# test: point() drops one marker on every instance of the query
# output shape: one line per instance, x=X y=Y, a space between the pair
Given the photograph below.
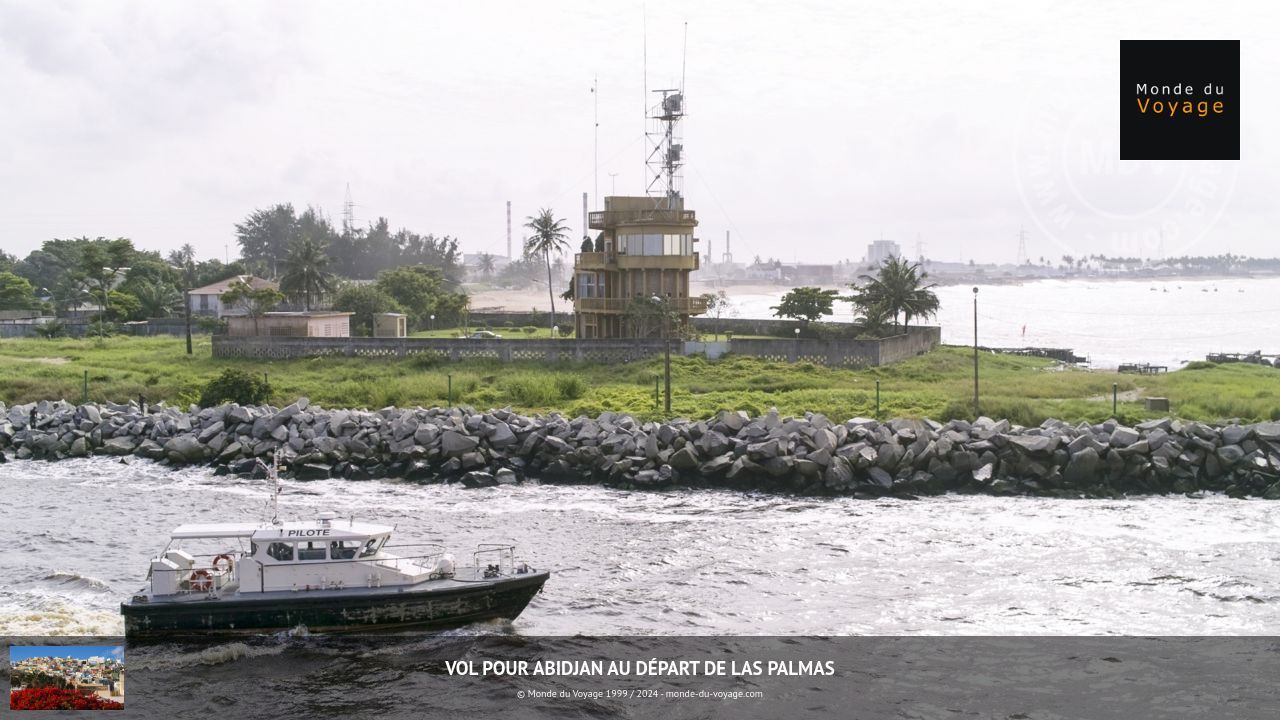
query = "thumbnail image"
x=66 y=677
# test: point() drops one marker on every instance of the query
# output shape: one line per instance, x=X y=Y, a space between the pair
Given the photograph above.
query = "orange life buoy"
x=201 y=581
x=220 y=558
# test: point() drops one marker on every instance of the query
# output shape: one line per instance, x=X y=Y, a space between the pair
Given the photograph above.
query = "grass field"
x=937 y=385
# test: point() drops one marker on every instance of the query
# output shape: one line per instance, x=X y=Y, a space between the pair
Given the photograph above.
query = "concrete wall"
x=836 y=353
x=280 y=348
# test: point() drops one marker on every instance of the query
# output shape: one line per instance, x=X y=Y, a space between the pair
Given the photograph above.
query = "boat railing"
x=498 y=552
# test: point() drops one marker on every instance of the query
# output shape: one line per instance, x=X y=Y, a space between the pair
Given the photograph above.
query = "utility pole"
x=187 y=301
x=664 y=304
x=509 y=257
x=976 y=412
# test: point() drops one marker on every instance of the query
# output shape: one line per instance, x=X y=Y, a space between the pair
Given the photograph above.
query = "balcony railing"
x=680 y=306
x=601 y=219
x=619 y=261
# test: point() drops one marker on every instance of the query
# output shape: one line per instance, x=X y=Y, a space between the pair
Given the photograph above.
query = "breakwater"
x=811 y=455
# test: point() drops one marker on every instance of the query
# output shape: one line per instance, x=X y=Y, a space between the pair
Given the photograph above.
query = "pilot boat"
x=327 y=574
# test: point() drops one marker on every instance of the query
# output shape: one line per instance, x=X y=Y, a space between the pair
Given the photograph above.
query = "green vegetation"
x=236 y=386
x=806 y=304
x=937 y=385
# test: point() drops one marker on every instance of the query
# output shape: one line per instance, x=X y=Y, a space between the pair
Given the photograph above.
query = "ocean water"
x=692 y=562
x=1162 y=322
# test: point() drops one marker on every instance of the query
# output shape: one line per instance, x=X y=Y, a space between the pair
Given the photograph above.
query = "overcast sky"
x=813 y=127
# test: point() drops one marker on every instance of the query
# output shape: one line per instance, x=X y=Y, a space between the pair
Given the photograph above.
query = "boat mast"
x=274 y=474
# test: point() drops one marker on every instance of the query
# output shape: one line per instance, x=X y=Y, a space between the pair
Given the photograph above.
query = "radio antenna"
x=684 y=55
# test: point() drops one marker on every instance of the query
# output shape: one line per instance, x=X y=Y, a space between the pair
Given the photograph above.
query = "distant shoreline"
x=498 y=300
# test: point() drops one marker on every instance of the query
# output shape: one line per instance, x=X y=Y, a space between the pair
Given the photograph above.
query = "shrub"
x=50 y=330
x=101 y=328
x=528 y=330
x=570 y=387
x=1200 y=365
x=211 y=325
x=235 y=386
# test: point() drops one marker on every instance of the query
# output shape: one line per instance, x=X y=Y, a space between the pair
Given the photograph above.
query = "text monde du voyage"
x=1180 y=100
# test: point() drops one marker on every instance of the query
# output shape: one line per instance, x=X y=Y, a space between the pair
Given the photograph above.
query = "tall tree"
x=7 y=261
x=421 y=291
x=486 y=264
x=264 y=236
x=16 y=293
x=549 y=236
x=366 y=301
x=306 y=271
x=183 y=256
x=100 y=269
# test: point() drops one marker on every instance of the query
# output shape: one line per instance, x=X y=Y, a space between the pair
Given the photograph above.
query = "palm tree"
x=486 y=264
x=549 y=235
x=306 y=273
x=159 y=300
x=896 y=290
x=182 y=257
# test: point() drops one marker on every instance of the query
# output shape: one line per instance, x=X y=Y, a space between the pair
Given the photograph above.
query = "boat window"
x=371 y=547
x=280 y=551
x=343 y=549
x=311 y=552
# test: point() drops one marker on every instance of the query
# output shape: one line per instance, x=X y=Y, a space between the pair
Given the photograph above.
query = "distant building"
x=647 y=252
x=292 y=324
x=798 y=274
x=769 y=270
x=880 y=250
x=390 y=325
x=207 y=300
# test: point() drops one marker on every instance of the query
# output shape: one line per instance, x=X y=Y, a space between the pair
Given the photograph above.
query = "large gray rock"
x=1124 y=437
x=454 y=443
x=184 y=448
x=1082 y=467
x=120 y=445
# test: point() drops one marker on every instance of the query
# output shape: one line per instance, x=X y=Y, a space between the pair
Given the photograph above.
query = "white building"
x=880 y=250
x=207 y=300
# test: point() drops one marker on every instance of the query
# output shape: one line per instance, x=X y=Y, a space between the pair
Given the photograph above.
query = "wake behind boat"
x=328 y=574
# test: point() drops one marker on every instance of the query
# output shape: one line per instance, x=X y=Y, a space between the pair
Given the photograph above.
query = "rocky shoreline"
x=808 y=455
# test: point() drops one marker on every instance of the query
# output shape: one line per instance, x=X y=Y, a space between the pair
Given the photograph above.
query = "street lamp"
x=666 y=353
x=976 y=413
x=796 y=350
x=433 y=323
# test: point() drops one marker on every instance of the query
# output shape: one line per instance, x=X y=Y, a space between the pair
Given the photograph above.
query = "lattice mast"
x=666 y=142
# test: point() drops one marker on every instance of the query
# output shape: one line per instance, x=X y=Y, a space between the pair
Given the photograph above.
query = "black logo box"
x=1186 y=65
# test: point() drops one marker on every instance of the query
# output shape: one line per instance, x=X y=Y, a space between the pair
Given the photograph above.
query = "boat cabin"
x=325 y=553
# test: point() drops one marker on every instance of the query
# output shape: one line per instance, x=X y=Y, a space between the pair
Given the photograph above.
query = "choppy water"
x=1163 y=322
x=78 y=533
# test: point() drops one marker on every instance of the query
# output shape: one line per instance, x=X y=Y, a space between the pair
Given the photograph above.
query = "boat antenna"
x=274 y=474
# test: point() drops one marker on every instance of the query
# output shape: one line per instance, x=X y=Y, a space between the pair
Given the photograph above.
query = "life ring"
x=230 y=562
x=201 y=581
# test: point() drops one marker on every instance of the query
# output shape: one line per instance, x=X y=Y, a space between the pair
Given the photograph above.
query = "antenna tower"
x=509 y=257
x=1022 y=246
x=727 y=258
x=666 y=144
x=348 y=213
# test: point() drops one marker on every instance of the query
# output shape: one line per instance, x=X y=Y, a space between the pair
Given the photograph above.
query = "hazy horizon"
x=813 y=128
